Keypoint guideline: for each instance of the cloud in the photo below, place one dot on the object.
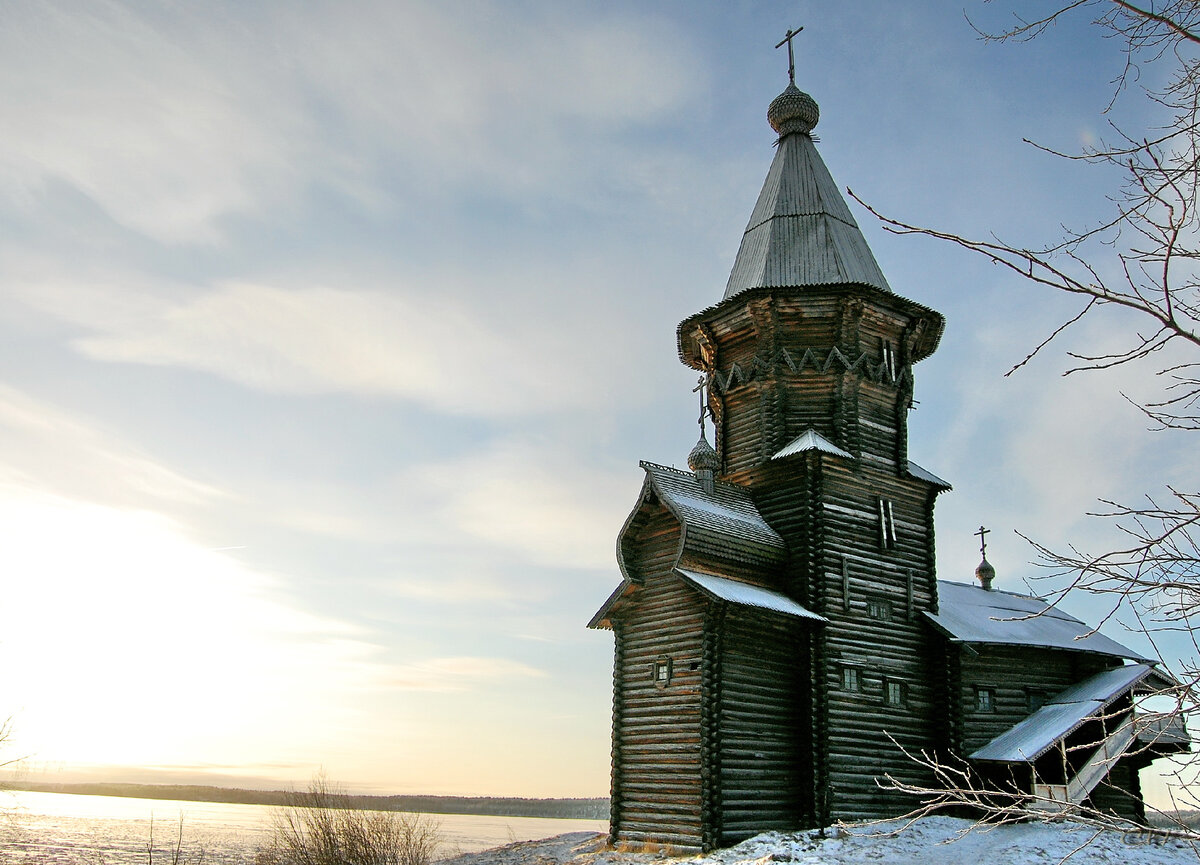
(533, 498)
(45, 448)
(168, 147)
(458, 674)
(431, 348)
(174, 118)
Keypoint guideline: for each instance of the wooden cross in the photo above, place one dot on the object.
(983, 541)
(791, 59)
(699, 388)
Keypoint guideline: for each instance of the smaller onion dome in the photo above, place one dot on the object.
(793, 110)
(703, 457)
(704, 462)
(985, 573)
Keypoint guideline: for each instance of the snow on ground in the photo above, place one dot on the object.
(928, 841)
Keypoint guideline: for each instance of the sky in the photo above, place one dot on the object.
(331, 335)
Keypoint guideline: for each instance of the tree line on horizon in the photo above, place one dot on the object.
(495, 806)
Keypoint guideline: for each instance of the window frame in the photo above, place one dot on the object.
(889, 360)
(901, 687)
(661, 672)
(985, 699)
(887, 523)
(851, 679)
(883, 606)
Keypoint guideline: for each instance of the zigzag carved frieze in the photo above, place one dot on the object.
(815, 361)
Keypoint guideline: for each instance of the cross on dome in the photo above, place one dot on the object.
(791, 34)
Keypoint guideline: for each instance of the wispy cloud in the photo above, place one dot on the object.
(534, 498)
(44, 447)
(191, 117)
(430, 344)
(458, 674)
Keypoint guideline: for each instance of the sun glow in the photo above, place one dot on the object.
(124, 642)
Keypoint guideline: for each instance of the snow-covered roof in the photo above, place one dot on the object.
(1061, 715)
(925, 475)
(723, 524)
(810, 440)
(747, 595)
(972, 614)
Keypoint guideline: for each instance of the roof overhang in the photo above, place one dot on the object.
(719, 588)
(925, 345)
(1062, 715)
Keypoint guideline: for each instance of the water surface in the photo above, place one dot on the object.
(62, 828)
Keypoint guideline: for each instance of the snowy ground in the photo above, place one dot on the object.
(929, 841)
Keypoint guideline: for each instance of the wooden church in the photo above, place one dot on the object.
(780, 631)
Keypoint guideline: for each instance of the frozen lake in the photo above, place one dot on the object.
(105, 830)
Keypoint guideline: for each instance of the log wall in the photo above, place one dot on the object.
(858, 576)
(765, 772)
(1012, 673)
(656, 791)
(837, 361)
(1121, 793)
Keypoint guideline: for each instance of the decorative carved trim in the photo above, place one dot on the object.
(816, 360)
(707, 341)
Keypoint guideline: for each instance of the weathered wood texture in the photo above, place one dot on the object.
(833, 360)
(873, 597)
(1015, 677)
(1121, 793)
(764, 773)
(656, 727)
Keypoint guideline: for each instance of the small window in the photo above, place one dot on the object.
(662, 672)
(1034, 700)
(894, 692)
(889, 361)
(878, 608)
(887, 525)
(851, 680)
(985, 699)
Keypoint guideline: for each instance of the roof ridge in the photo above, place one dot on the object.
(647, 464)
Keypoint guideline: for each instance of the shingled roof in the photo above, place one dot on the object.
(722, 525)
(801, 232)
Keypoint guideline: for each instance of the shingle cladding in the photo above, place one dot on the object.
(719, 529)
(801, 232)
(721, 525)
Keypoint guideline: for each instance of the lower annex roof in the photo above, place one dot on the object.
(1061, 715)
(972, 614)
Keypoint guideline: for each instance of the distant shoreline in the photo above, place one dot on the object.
(495, 806)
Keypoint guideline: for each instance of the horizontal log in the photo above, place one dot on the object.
(661, 825)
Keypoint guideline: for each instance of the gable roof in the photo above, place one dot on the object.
(1062, 715)
(810, 440)
(972, 614)
(747, 595)
(801, 232)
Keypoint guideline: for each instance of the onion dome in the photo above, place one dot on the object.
(985, 573)
(793, 110)
(703, 457)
